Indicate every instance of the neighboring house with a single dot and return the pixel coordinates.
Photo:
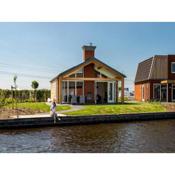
(91, 81)
(155, 79)
(132, 94)
(126, 91)
(129, 95)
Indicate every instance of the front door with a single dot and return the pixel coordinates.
(111, 92)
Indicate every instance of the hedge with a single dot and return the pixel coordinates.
(8, 96)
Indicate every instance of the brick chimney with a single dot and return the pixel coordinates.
(88, 51)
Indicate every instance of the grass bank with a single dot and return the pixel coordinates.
(28, 108)
(119, 109)
(43, 107)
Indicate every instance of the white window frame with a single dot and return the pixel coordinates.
(143, 92)
(75, 81)
(113, 92)
(79, 71)
(172, 63)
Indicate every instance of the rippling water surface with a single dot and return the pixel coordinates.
(149, 136)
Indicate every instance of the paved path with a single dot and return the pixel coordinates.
(73, 108)
(36, 115)
(59, 113)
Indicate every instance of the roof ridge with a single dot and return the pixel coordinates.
(162, 55)
(146, 60)
(151, 68)
(153, 57)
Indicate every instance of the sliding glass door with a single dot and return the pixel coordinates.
(72, 91)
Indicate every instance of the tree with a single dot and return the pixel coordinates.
(35, 85)
(14, 80)
(14, 94)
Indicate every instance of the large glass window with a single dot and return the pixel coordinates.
(71, 88)
(173, 67)
(72, 76)
(110, 91)
(156, 91)
(173, 92)
(64, 91)
(164, 92)
(72, 91)
(78, 74)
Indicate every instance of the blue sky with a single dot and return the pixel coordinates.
(39, 51)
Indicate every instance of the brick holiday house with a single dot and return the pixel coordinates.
(155, 79)
(89, 82)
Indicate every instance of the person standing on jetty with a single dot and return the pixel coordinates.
(53, 110)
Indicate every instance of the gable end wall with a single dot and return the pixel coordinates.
(89, 71)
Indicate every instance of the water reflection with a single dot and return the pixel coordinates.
(152, 136)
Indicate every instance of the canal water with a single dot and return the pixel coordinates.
(134, 137)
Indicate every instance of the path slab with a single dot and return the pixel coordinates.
(36, 116)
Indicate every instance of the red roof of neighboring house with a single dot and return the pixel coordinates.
(153, 68)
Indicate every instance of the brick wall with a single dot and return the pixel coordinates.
(89, 71)
(171, 58)
(147, 91)
(89, 91)
(88, 54)
(138, 91)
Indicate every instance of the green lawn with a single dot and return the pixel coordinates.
(119, 109)
(40, 106)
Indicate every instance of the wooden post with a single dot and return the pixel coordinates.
(167, 93)
(117, 90)
(122, 90)
(59, 90)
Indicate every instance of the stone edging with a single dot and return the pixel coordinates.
(77, 120)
